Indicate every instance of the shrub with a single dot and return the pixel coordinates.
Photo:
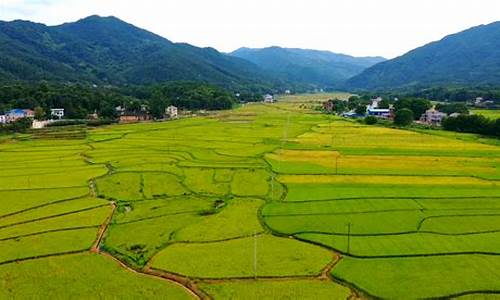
(404, 117)
(371, 120)
(473, 124)
(360, 109)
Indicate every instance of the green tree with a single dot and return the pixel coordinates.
(371, 120)
(360, 109)
(157, 105)
(21, 125)
(40, 113)
(384, 104)
(106, 111)
(419, 106)
(403, 117)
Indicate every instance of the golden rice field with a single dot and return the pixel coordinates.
(267, 201)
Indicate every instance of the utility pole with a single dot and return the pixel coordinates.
(255, 255)
(348, 238)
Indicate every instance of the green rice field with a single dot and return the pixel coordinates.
(266, 201)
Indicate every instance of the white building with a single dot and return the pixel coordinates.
(120, 110)
(432, 117)
(380, 112)
(3, 119)
(171, 112)
(57, 112)
(268, 98)
(375, 103)
(41, 124)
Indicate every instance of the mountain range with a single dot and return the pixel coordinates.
(110, 51)
(107, 50)
(470, 57)
(320, 68)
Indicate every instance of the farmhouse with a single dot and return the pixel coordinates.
(352, 115)
(120, 110)
(328, 106)
(134, 117)
(3, 119)
(268, 98)
(375, 102)
(379, 112)
(16, 114)
(432, 117)
(57, 112)
(171, 112)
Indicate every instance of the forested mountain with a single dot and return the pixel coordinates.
(109, 51)
(471, 57)
(320, 68)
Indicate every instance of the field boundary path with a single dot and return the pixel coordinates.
(184, 282)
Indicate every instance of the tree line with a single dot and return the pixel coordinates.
(473, 124)
(80, 100)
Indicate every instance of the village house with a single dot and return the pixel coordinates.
(57, 112)
(93, 116)
(432, 117)
(3, 119)
(16, 114)
(328, 106)
(134, 117)
(41, 124)
(380, 112)
(482, 103)
(375, 103)
(171, 112)
(268, 98)
(120, 110)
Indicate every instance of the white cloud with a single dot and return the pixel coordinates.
(357, 27)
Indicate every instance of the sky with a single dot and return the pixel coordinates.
(386, 28)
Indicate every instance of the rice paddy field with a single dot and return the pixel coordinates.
(489, 113)
(267, 201)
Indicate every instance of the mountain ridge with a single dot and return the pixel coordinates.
(107, 50)
(318, 67)
(469, 57)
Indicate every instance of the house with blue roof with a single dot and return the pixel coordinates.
(16, 114)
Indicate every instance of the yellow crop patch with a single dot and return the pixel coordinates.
(392, 180)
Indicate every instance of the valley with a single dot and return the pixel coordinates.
(266, 201)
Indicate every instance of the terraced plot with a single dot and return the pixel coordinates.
(256, 202)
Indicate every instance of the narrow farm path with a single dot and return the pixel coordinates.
(189, 283)
(179, 280)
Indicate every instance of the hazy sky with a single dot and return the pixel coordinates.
(358, 27)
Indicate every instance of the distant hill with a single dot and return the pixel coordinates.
(471, 57)
(320, 68)
(107, 50)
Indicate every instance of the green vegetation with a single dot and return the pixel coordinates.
(79, 101)
(257, 202)
(422, 277)
(473, 124)
(489, 113)
(453, 59)
(109, 51)
(278, 289)
(88, 275)
(404, 117)
(235, 258)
